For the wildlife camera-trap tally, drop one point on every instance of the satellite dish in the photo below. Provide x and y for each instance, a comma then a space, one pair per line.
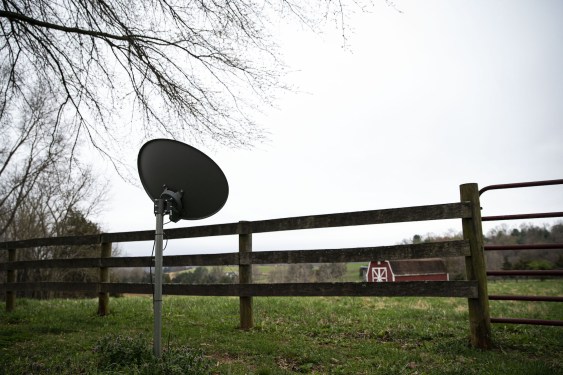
183, 183
185, 176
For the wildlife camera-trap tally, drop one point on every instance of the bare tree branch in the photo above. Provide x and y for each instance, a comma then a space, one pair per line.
193, 70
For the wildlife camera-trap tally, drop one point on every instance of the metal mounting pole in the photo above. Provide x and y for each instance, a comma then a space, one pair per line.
159, 205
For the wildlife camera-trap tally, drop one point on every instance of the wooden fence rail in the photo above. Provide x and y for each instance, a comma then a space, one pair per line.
462, 289
394, 215
358, 254
471, 247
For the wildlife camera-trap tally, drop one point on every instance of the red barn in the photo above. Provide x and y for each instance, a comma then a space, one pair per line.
407, 270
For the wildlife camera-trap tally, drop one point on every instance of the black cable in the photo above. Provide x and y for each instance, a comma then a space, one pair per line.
150, 269
152, 281
164, 235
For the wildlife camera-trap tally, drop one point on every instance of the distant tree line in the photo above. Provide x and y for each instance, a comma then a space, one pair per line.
206, 275
36, 224
528, 259
508, 259
304, 273
307, 273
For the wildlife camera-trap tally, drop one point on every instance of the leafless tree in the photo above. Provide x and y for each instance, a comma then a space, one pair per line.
42, 180
56, 201
330, 272
36, 158
300, 273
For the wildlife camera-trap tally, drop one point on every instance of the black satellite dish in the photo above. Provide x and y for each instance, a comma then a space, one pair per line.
183, 183
177, 171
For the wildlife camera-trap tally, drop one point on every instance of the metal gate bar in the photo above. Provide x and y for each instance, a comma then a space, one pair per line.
522, 216
557, 273
493, 297
539, 246
539, 322
526, 273
521, 185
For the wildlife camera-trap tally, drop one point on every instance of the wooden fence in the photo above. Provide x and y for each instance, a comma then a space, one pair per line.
471, 247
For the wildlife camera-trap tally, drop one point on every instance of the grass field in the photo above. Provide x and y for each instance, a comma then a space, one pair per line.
292, 335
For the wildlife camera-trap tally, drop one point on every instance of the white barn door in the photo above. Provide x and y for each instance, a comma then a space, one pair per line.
379, 274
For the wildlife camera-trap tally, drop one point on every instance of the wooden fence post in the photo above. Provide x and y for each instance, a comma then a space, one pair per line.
103, 297
245, 273
11, 278
479, 317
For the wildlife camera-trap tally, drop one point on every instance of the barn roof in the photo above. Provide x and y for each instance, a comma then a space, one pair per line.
418, 266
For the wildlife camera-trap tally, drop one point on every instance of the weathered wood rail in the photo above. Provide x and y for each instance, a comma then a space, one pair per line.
471, 247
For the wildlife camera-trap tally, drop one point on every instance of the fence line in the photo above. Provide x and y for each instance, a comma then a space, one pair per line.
474, 289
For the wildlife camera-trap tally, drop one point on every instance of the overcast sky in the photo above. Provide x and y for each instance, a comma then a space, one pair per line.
425, 98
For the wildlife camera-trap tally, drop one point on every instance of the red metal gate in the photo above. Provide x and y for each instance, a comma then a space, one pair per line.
509, 273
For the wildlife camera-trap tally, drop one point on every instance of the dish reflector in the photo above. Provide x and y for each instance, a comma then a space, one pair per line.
166, 164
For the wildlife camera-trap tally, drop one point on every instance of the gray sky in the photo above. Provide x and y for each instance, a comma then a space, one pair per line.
444, 93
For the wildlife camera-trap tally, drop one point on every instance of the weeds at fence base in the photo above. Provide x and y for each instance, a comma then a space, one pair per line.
117, 353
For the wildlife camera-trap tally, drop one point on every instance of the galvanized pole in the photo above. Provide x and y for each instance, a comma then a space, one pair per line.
157, 294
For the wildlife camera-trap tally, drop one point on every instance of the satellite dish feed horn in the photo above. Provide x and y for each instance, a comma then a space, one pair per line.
183, 183
172, 203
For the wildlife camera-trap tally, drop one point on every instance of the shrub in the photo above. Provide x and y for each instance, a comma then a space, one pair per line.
133, 355
541, 264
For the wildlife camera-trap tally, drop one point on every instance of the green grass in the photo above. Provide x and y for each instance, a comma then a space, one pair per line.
353, 271
292, 335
